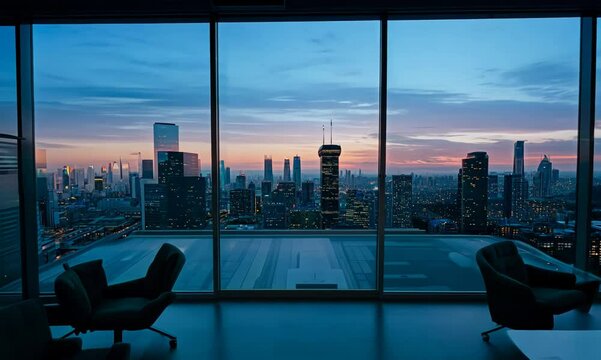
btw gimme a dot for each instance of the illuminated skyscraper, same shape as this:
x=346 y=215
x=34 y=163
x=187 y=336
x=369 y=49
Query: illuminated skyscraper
x=474 y=193
x=543 y=178
x=308 y=194
x=191 y=164
x=357 y=210
x=519 y=187
x=296 y=171
x=402 y=190
x=268 y=169
x=329 y=180
x=166 y=138
x=287 y=170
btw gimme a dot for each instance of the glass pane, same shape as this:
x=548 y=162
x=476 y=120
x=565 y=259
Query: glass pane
x=481 y=145
x=123 y=148
x=10 y=254
x=8 y=81
x=299 y=129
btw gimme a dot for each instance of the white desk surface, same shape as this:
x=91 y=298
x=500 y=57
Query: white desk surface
x=558 y=344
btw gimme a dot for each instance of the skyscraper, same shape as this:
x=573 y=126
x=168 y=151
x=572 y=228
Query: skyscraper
x=329 y=180
x=221 y=174
x=265 y=191
x=474 y=193
x=166 y=138
x=518 y=158
x=240 y=203
x=507 y=195
x=191 y=164
x=543 y=178
x=147 y=169
x=228 y=176
x=240 y=182
x=308 y=194
x=268 y=169
x=296 y=171
x=357 y=210
x=402 y=190
x=519 y=188
x=287 y=170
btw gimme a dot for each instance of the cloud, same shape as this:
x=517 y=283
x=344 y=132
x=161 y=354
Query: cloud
x=47 y=145
x=476 y=137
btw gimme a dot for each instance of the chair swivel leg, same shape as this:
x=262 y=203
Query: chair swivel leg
x=118 y=336
x=172 y=339
x=486 y=337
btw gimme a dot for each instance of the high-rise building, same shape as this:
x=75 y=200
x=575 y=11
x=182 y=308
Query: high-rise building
x=228 y=176
x=296 y=171
x=90 y=174
x=285 y=193
x=493 y=186
x=329 y=156
x=65 y=177
x=268 y=169
x=287 y=170
x=170 y=165
x=221 y=174
x=240 y=182
x=518 y=158
x=543 y=178
x=191 y=164
x=166 y=138
x=519 y=190
x=357 y=210
x=555 y=176
x=99 y=183
x=308 y=194
x=265 y=191
x=474 y=193
x=240 y=203
x=402 y=191
x=253 y=201
x=507 y=195
x=147 y=169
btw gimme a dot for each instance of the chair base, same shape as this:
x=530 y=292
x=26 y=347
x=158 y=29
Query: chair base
x=485 y=335
x=118 y=336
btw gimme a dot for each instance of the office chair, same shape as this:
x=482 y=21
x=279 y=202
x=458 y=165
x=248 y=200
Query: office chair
x=526 y=297
x=88 y=303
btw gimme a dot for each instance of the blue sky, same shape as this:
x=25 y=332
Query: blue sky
x=454 y=87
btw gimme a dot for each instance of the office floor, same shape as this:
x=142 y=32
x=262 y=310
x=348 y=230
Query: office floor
x=327 y=330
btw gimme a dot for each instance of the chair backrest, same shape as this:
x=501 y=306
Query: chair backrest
x=504 y=258
x=164 y=269
x=93 y=278
x=24 y=331
x=73 y=298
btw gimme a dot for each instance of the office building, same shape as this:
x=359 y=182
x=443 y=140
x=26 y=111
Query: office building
x=474 y=193
x=287 y=177
x=402 y=190
x=329 y=156
x=296 y=171
x=268 y=169
x=543 y=178
x=166 y=138
x=147 y=169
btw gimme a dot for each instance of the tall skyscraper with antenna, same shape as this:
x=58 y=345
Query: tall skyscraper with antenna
x=166 y=138
x=329 y=155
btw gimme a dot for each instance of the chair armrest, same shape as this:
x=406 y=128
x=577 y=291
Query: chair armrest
x=133 y=288
x=155 y=308
x=538 y=277
x=64 y=348
x=119 y=351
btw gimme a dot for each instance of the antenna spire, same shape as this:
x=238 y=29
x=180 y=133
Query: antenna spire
x=323 y=133
x=331 y=130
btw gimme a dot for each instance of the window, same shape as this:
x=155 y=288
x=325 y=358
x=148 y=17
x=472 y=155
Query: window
x=123 y=148
x=10 y=255
x=594 y=257
x=481 y=145
x=298 y=130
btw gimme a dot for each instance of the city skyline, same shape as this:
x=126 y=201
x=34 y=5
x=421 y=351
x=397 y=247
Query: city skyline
x=114 y=87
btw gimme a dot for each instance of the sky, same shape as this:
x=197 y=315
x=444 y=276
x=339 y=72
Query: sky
x=455 y=86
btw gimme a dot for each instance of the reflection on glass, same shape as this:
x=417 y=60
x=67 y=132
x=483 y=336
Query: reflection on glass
x=10 y=254
x=298 y=132
x=8 y=81
x=594 y=255
x=482 y=128
x=123 y=146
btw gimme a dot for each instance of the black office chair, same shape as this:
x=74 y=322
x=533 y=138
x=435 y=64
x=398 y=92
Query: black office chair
x=525 y=297
x=88 y=303
x=25 y=335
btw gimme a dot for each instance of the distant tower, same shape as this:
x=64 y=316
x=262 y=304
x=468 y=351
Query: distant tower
x=519 y=187
x=296 y=171
x=402 y=188
x=287 y=170
x=474 y=193
x=329 y=156
x=268 y=169
x=543 y=178
x=166 y=138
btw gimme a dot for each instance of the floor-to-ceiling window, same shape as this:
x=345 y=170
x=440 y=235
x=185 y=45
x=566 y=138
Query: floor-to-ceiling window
x=298 y=127
x=594 y=255
x=123 y=152
x=10 y=255
x=481 y=141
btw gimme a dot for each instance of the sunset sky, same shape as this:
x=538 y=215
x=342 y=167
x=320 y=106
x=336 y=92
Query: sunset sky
x=454 y=87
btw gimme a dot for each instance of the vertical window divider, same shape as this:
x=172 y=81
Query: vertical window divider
x=215 y=192
x=382 y=154
x=586 y=128
x=26 y=162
